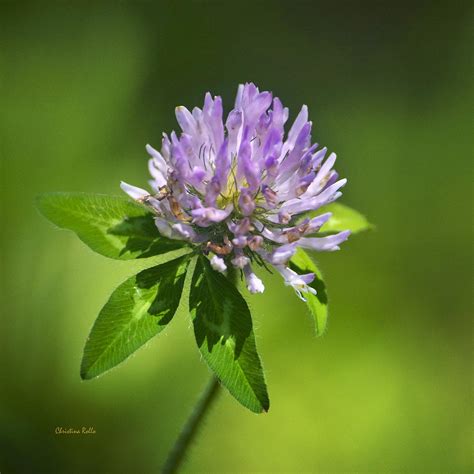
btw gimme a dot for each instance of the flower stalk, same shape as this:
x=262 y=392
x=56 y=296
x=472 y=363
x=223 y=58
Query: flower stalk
x=191 y=427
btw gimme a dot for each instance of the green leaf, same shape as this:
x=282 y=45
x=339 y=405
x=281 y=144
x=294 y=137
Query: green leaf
x=224 y=335
x=110 y=225
x=318 y=304
x=137 y=310
x=343 y=218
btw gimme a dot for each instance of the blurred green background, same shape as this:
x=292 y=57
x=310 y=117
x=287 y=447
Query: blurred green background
x=389 y=387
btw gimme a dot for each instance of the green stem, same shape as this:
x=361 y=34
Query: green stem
x=191 y=427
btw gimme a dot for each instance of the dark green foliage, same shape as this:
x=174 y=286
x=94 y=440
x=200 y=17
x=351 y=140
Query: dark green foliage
x=224 y=335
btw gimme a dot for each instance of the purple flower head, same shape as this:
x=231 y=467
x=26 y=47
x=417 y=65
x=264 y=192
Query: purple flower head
x=238 y=188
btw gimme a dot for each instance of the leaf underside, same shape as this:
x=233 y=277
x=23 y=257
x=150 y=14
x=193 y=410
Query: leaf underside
x=224 y=334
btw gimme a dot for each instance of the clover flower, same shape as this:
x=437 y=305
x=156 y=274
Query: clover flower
x=225 y=198
x=240 y=189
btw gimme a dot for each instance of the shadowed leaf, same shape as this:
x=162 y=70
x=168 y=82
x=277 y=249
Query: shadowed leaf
x=137 y=310
x=224 y=335
x=318 y=304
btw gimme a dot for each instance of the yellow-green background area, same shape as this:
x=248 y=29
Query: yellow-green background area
x=389 y=386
